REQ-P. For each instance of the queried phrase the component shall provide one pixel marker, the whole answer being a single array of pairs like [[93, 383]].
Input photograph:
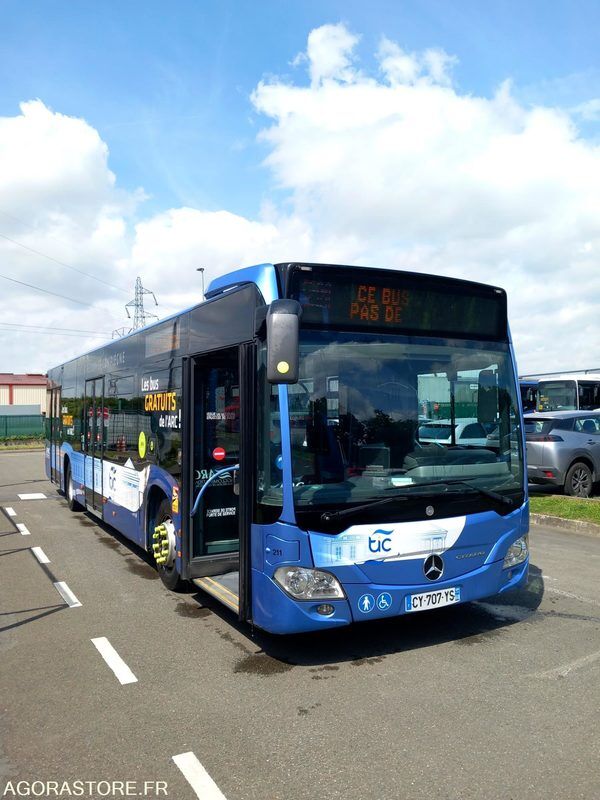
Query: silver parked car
[[563, 448]]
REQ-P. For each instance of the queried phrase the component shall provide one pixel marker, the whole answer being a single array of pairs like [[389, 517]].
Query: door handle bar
[[217, 474]]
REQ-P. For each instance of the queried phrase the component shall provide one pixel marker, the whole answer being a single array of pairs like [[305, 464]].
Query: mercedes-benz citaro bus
[[569, 392], [264, 444]]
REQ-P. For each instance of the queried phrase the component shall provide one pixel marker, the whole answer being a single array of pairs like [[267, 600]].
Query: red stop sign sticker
[[218, 454]]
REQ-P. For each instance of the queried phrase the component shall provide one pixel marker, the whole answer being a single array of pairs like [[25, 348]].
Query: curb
[[571, 525], [21, 450]]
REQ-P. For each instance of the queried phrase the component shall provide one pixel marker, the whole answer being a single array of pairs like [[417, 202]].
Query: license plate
[[426, 600]]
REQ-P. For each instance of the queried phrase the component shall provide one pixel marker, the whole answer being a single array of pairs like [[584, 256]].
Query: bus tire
[[70, 490], [169, 575], [578, 481]]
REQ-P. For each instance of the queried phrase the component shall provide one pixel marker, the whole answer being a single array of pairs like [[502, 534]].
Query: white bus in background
[[569, 392]]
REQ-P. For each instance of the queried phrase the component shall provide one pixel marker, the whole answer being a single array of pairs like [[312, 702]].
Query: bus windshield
[[375, 412], [557, 396]]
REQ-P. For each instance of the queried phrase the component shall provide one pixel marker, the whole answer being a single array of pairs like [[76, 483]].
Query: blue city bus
[[265, 444]]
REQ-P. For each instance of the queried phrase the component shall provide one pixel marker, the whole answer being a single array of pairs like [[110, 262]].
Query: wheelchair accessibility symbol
[[366, 603], [384, 601]]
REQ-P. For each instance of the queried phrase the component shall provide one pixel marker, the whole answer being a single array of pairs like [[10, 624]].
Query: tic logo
[[112, 478], [380, 541]]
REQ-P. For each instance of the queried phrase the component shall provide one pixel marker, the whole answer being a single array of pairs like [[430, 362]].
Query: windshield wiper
[[326, 516], [402, 494], [500, 498]]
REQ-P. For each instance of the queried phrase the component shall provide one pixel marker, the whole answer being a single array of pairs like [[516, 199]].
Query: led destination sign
[[367, 299]]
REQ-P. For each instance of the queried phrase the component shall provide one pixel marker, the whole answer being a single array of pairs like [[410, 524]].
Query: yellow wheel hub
[[163, 545]]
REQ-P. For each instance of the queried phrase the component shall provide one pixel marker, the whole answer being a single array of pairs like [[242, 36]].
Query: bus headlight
[[517, 552], [308, 584]]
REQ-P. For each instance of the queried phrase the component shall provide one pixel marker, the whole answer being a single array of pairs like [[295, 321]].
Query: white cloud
[[398, 169], [50, 160], [175, 243], [438, 65], [588, 111], [433, 65], [329, 54], [58, 197], [410, 172], [397, 66]]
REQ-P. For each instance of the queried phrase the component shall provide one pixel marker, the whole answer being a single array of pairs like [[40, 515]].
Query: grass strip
[[567, 507], [24, 444]]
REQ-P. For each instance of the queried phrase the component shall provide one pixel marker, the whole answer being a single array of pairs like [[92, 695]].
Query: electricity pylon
[[118, 332], [140, 315]]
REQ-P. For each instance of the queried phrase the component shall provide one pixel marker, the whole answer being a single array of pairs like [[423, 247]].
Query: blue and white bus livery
[[265, 444]]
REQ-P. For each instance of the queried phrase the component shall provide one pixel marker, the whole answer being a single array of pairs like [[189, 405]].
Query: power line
[[62, 263], [17, 219], [71, 299], [46, 291], [46, 333], [54, 328]]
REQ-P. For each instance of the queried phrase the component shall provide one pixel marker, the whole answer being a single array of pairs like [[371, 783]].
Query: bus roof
[[262, 275], [571, 376], [269, 279]]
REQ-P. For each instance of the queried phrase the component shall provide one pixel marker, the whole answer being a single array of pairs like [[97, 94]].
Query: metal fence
[[25, 425], [442, 410]]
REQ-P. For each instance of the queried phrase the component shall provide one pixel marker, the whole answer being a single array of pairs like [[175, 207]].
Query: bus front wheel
[[164, 548]]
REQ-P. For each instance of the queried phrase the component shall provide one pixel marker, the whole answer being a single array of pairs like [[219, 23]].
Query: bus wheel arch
[[161, 539], [579, 478], [155, 497], [69, 488]]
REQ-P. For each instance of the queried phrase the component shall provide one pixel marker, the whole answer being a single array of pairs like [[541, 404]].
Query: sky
[[150, 139]]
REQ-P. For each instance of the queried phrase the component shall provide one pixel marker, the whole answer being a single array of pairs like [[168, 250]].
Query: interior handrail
[[218, 473]]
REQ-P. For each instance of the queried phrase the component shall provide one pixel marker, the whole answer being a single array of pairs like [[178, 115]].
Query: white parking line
[[40, 555], [197, 777], [33, 496], [23, 529], [10, 511], [578, 597], [113, 659], [66, 594], [565, 669]]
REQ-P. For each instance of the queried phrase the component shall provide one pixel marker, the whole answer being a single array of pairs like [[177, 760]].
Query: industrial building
[[19, 391]]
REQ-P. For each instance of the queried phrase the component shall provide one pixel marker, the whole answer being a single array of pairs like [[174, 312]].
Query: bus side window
[[589, 395]]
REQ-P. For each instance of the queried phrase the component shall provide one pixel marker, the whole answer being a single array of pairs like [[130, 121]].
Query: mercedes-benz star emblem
[[433, 568], [430, 511]]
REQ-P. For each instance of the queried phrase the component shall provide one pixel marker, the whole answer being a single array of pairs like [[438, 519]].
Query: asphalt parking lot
[[498, 699]]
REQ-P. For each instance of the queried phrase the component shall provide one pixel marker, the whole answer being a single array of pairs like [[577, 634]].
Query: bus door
[[216, 446], [54, 433], [221, 409], [94, 442]]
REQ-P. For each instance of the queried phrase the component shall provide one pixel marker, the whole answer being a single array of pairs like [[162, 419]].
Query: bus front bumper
[[277, 612]]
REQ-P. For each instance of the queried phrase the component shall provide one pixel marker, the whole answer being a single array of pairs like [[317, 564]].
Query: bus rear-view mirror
[[283, 326], [487, 397]]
